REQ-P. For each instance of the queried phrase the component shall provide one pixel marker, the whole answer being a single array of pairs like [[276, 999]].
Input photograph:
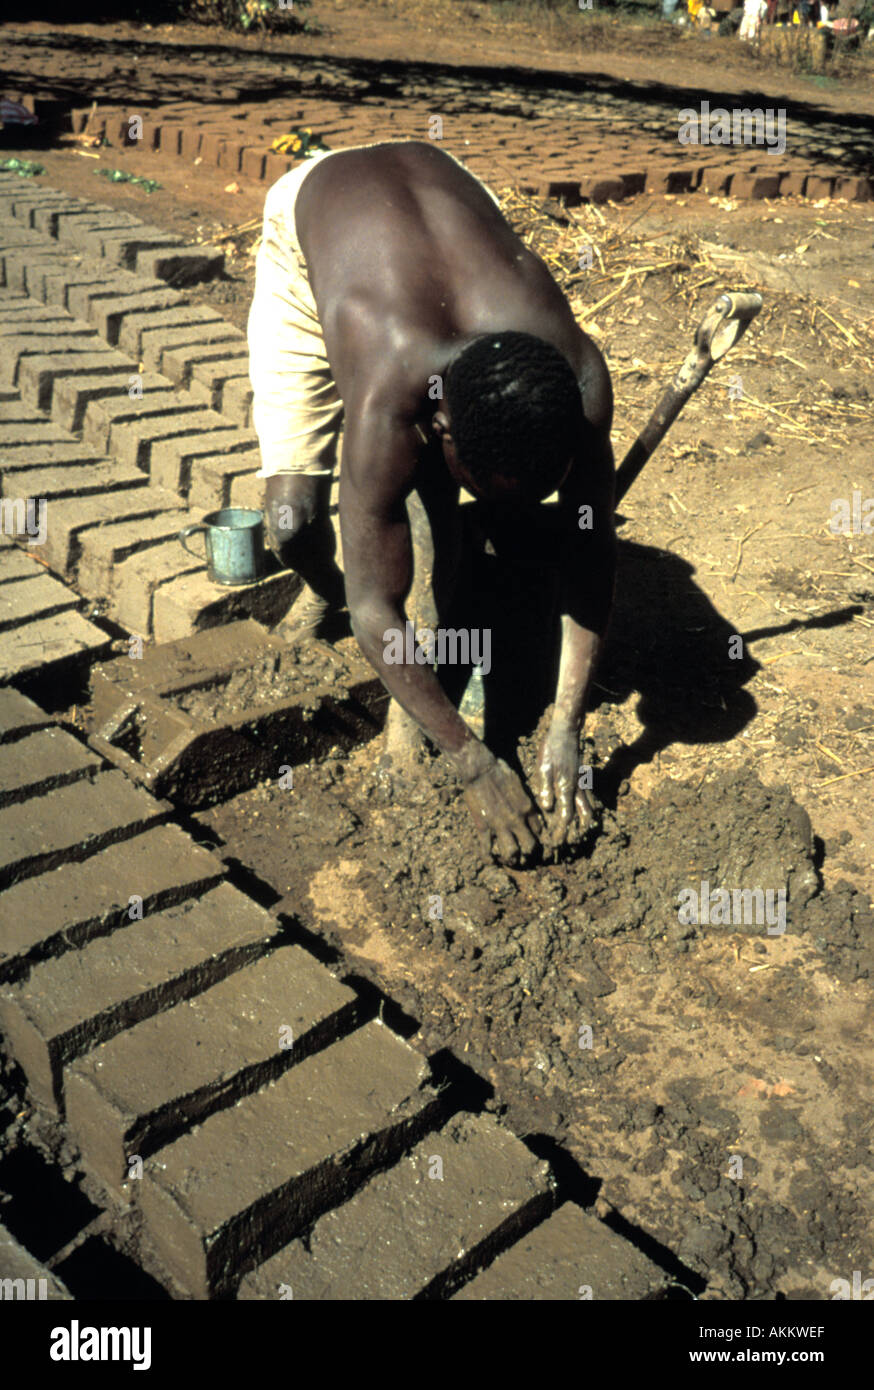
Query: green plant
[[244, 15]]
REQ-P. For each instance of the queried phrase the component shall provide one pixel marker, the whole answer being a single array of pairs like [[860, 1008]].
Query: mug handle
[[183, 537]]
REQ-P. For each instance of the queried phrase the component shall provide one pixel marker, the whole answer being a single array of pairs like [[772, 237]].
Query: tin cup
[[234, 544]]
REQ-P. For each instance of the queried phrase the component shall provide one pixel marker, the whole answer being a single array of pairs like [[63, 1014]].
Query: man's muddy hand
[[559, 794], [502, 812]]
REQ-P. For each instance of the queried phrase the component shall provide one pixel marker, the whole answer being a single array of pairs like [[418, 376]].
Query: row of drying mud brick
[[210, 137], [126, 408], [240, 1107]]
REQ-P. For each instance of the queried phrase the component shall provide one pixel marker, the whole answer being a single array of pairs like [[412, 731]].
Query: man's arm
[[587, 578], [377, 475]]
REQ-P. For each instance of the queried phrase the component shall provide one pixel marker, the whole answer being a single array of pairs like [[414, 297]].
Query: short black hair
[[515, 409]]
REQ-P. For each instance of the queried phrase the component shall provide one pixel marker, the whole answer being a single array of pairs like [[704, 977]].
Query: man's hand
[[559, 793], [501, 809]]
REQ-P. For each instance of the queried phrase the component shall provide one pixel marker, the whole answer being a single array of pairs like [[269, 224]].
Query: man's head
[[512, 417]]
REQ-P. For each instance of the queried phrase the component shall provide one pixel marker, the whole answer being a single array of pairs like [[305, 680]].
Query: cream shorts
[[297, 411]]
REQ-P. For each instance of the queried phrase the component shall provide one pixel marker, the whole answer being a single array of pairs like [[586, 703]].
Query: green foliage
[[120, 176], [25, 168], [244, 15]]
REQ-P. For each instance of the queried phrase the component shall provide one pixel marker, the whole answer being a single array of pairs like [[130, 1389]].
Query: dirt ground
[[711, 1042]]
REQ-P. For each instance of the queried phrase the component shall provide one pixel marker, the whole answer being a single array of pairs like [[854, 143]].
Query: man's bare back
[[415, 275]]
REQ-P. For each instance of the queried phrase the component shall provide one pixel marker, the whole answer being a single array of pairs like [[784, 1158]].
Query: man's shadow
[[666, 642]]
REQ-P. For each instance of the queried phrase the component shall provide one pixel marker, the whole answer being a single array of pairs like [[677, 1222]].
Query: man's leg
[[297, 412], [300, 534], [436, 535]]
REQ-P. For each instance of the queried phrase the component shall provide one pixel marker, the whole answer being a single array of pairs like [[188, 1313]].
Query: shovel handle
[[723, 324]]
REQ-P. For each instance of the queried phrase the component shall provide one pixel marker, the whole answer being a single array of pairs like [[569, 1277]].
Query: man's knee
[[292, 503]]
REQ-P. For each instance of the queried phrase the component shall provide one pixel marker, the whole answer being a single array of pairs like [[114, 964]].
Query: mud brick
[[192, 602], [167, 137], [211, 145], [223, 1199], [252, 164], [854, 188], [595, 188], [73, 823], [108, 545], [39, 597], [16, 410], [236, 403], [172, 460], [123, 1099], [819, 186], [184, 265], [19, 716], [192, 137], [102, 414], [41, 761], [793, 183], [87, 996], [79, 119], [633, 183], [16, 465], [717, 179], [13, 236], [56, 221], [208, 378], [20, 346], [37, 375], [19, 311], [30, 1279], [65, 218], [404, 1231], [570, 1250], [60, 910], [14, 564], [135, 581], [17, 265], [661, 180], [120, 248], [213, 477], [54, 283], [43, 322], [754, 185], [185, 316], [60, 640], [72, 395], [275, 165], [247, 490], [64, 535], [230, 155], [132, 441], [157, 343], [105, 308], [179, 362], [24, 204], [81, 480]]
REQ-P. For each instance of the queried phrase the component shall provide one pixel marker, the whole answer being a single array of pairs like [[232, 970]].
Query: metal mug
[[234, 545]]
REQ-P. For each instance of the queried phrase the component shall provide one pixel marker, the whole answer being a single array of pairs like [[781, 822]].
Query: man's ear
[[440, 425]]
